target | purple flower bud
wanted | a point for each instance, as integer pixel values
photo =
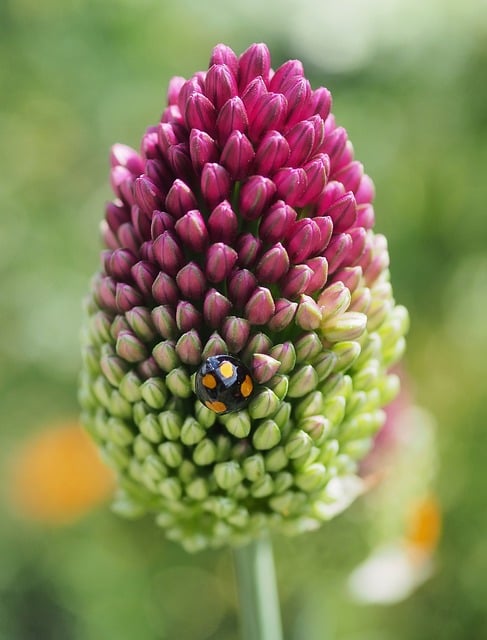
(236, 332)
(359, 238)
(273, 265)
(351, 175)
(191, 86)
(189, 347)
(147, 195)
(165, 355)
(277, 222)
(272, 153)
(121, 180)
(144, 274)
(366, 190)
(164, 289)
(264, 367)
(187, 316)
(119, 324)
(169, 135)
(202, 149)
(108, 237)
(296, 281)
(349, 276)
(253, 93)
(321, 102)
(254, 61)
(237, 155)
(258, 343)
(180, 199)
(260, 307)
(222, 54)
(286, 75)
(164, 320)
(304, 237)
(220, 259)
(365, 216)
(283, 315)
(215, 308)
(161, 222)
(140, 321)
(270, 110)
(120, 264)
(343, 212)
(125, 156)
(334, 144)
(215, 183)
(220, 85)
(168, 253)
(337, 251)
(128, 237)
(191, 281)
(148, 369)
(127, 297)
(116, 213)
(104, 290)
(147, 251)
(199, 113)
(175, 84)
(345, 158)
(180, 161)
(255, 196)
(297, 95)
(248, 248)
(215, 346)
(308, 315)
(223, 223)
(191, 228)
(286, 354)
(232, 117)
(291, 184)
(241, 284)
(335, 300)
(130, 348)
(141, 224)
(301, 141)
(316, 172)
(319, 266)
(149, 144)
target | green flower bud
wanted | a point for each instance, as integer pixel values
(238, 424)
(179, 383)
(254, 467)
(266, 436)
(262, 487)
(171, 423)
(298, 444)
(205, 453)
(264, 404)
(228, 474)
(154, 393)
(302, 382)
(130, 387)
(191, 432)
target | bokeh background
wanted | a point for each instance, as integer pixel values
(409, 83)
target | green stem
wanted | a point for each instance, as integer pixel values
(257, 588)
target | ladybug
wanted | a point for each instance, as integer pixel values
(223, 384)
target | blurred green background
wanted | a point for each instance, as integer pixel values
(409, 83)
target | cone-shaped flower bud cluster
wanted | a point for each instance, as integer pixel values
(242, 227)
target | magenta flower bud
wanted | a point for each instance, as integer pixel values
(202, 149)
(241, 285)
(284, 314)
(296, 281)
(169, 135)
(365, 216)
(337, 251)
(335, 299)
(359, 239)
(345, 158)
(189, 347)
(147, 195)
(260, 308)
(220, 259)
(215, 308)
(235, 332)
(120, 264)
(255, 196)
(199, 113)
(366, 190)
(255, 61)
(140, 321)
(223, 223)
(222, 54)
(141, 225)
(173, 89)
(172, 113)
(308, 314)
(149, 144)
(164, 319)
(321, 102)
(119, 324)
(168, 253)
(161, 221)
(124, 156)
(258, 343)
(272, 153)
(148, 369)
(291, 184)
(334, 143)
(349, 276)
(319, 266)
(147, 251)
(130, 348)
(180, 199)
(127, 297)
(215, 346)
(187, 316)
(264, 367)
(305, 235)
(215, 183)
(191, 86)
(191, 229)
(343, 212)
(253, 93)
(301, 141)
(297, 95)
(248, 248)
(270, 110)
(237, 155)
(351, 175)
(286, 75)
(191, 281)
(232, 117)
(180, 160)
(273, 265)
(109, 238)
(277, 222)
(116, 213)
(220, 85)
(144, 274)
(128, 237)
(104, 290)
(164, 289)
(316, 172)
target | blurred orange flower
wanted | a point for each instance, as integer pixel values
(57, 475)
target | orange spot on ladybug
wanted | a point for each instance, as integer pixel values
(209, 381)
(246, 387)
(226, 369)
(216, 406)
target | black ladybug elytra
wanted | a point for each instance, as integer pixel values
(223, 384)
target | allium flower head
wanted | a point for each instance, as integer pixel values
(243, 227)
